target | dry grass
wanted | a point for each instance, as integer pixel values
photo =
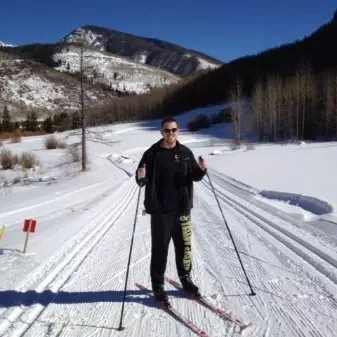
(9, 135)
(75, 153)
(32, 133)
(29, 160)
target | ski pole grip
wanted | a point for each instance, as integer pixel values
(201, 159)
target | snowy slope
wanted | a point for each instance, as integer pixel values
(3, 44)
(115, 71)
(71, 281)
(32, 85)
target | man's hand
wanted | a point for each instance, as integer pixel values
(141, 172)
(203, 164)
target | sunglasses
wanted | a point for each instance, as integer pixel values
(169, 130)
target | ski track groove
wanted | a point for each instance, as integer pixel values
(235, 267)
(207, 236)
(256, 219)
(278, 218)
(284, 260)
(95, 271)
(278, 215)
(33, 313)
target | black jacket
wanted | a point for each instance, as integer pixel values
(190, 169)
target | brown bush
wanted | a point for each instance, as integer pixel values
(16, 138)
(7, 159)
(50, 142)
(28, 160)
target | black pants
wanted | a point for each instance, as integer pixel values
(163, 228)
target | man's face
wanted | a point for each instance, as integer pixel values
(170, 132)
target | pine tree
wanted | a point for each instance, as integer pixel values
(47, 125)
(7, 124)
(34, 126)
(31, 124)
(76, 121)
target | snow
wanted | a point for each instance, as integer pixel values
(141, 57)
(204, 64)
(86, 36)
(278, 200)
(28, 86)
(311, 160)
(36, 91)
(3, 44)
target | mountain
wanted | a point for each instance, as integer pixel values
(118, 75)
(171, 57)
(115, 63)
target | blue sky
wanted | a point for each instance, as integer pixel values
(223, 29)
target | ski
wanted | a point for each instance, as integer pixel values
(175, 313)
(206, 303)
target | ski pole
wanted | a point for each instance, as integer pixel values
(120, 328)
(229, 231)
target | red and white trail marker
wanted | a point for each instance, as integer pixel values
(29, 226)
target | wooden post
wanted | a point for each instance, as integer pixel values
(27, 236)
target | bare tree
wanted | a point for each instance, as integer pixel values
(335, 99)
(272, 106)
(258, 105)
(279, 101)
(297, 100)
(236, 97)
(307, 91)
(329, 102)
(85, 72)
(288, 108)
(82, 108)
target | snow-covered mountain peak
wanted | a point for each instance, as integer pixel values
(160, 54)
(86, 37)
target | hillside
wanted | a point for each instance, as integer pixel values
(114, 71)
(117, 75)
(27, 85)
(319, 50)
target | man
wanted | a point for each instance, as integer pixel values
(168, 170)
